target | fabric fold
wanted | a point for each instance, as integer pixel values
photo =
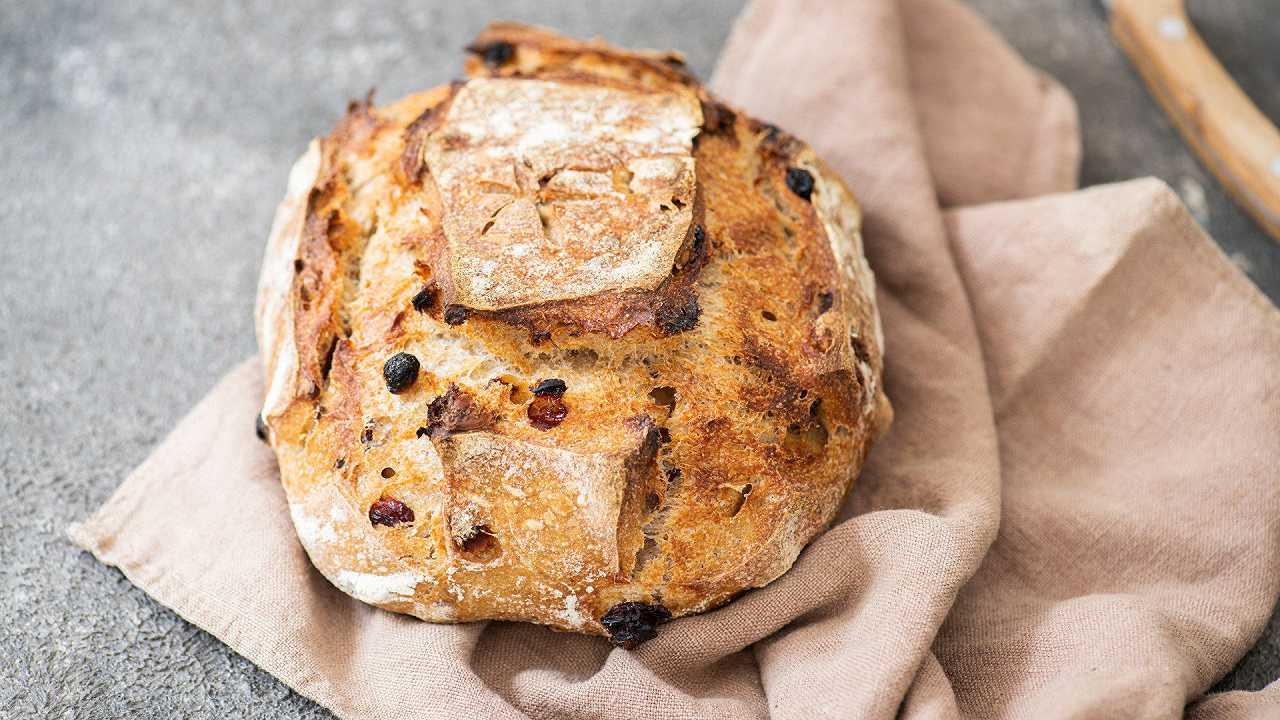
(980, 107)
(1137, 442)
(1075, 513)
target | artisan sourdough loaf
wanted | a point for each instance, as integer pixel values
(570, 342)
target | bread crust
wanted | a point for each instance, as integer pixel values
(574, 211)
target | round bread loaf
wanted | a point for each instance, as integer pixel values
(570, 342)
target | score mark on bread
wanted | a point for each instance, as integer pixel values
(571, 342)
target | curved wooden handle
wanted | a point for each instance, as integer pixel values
(1231, 136)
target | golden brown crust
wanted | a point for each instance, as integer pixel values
(695, 278)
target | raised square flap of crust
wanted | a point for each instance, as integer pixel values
(582, 527)
(556, 190)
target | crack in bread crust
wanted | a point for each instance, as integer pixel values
(714, 376)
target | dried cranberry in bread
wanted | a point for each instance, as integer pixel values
(571, 342)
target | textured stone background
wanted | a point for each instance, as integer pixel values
(143, 146)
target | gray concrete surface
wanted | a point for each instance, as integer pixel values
(143, 146)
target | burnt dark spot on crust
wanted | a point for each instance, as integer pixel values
(537, 337)
(632, 623)
(777, 390)
(456, 314)
(550, 386)
(390, 512)
(547, 411)
(757, 354)
(800, 182)
(454, 412)
(400, 371)
(775, 142)
(673, 474)
(427, 299)
(716, 117)
(495, 54)
(339, 463)
(673, 319)
(260, 428)
(825, 301)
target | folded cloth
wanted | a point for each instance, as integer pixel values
(1075, 514)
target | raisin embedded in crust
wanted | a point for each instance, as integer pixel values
(800, 182)
(390, 512)
(548, 408)
(400, 371)
(631, 623)
(547, 411)
(550, 386)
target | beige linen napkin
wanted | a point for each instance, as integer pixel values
(1076, 513)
